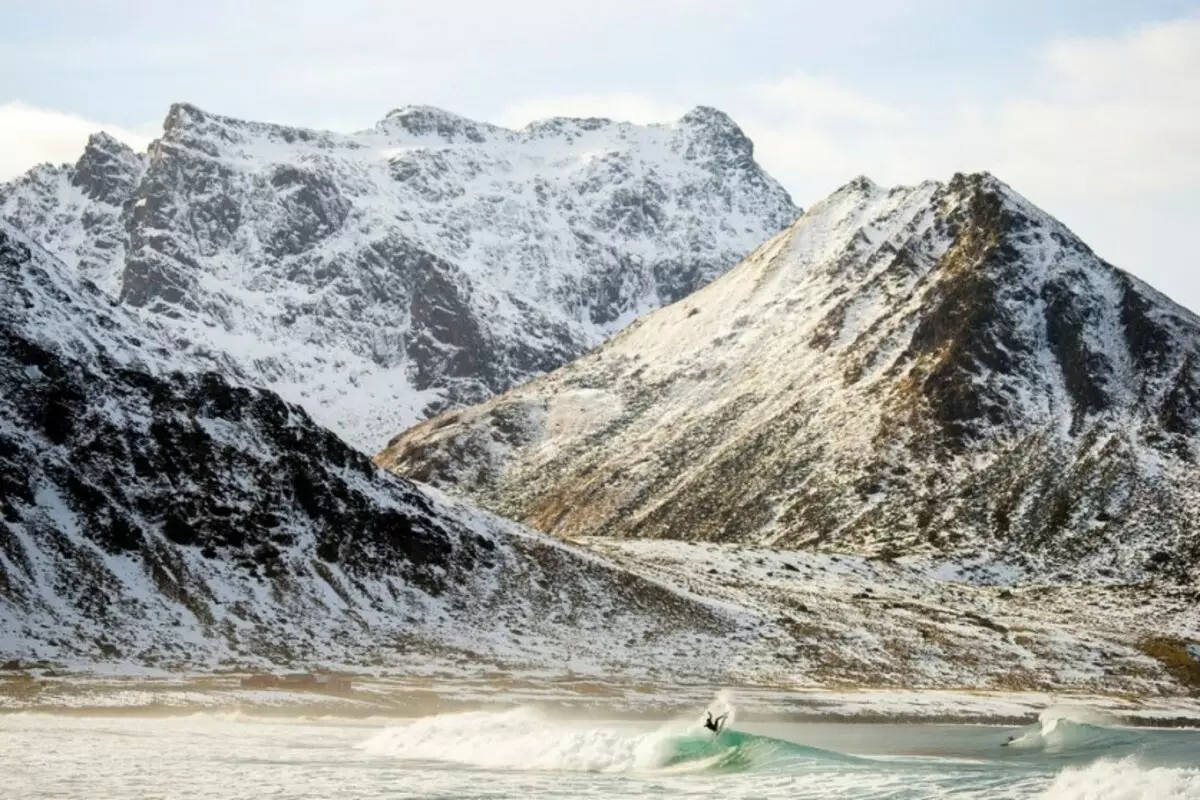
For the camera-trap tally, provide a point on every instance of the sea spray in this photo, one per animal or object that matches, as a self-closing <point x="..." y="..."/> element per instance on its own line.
<point x="521" y="738"/>
<point x="528" y="739"/>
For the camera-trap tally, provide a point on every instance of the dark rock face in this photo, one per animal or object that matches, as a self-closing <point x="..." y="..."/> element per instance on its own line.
<point x="108" y="170"/>
<point x="81" y="210"/>
<point x="294" y="480"/>
<point x="314" y="210"/>
<point x="233" y="472"/>
<point x="939" y="368"/>
<point x="428" y="121"/>
<point x="433" y="259"/>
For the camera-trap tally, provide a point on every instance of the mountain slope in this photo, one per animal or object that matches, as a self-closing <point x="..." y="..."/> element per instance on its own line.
<point x="158" y="517"/>
<point x="153" y="514"/>
<point x="938" y="368"/>
<point x="427" y="262"/>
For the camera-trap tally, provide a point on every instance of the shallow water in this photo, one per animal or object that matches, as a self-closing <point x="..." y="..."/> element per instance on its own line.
<point x="528" y="753"/>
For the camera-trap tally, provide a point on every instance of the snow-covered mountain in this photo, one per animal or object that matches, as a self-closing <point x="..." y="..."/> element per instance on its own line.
<point x="153" y="514"/>
<point x="430" y="261"/>
<point x="172" y="518"/>
<point x="940" y="368"/>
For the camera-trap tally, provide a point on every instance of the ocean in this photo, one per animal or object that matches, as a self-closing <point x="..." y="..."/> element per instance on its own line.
<point x="525" y="752"/>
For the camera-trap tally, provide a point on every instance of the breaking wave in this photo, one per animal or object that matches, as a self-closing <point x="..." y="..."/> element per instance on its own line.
<point x="527" y="739"/>
<point x="1064" y="736"/>
<point x="1068" y="755"/>
<point x="1081" y="733"/>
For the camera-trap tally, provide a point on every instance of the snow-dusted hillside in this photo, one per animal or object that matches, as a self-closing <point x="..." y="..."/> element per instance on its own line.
<point x="153" y="514"/>
<point x="939" y="368"/>
<point x="429" y="261"/>
<point x="175" y="519"/>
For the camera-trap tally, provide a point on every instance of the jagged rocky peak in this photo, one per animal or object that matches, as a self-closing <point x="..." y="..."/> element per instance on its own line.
<point x="859" y="186"/>
<point x="567" y="126"/>
<point x="181" y="115"/>
<point x="719" y="129"/>
<point x="419" y="120"/>
<point x="1015" y="286"/>
<point x="108" y="170"/>
<point x="208" y="134"/>
<point x="941" y="366"/>
<point x="380" y="276"/>
<point x="189" y="124"/>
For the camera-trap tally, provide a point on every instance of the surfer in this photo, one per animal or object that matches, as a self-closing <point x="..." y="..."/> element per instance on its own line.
<point x="1009" y="741"/>
<point x="714" y="725"/>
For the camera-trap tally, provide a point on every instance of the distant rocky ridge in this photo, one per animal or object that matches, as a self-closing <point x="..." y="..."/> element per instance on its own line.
<point x="152" y="516"/>
<point x="941" y="368"/>
<point x="430" y="261"/>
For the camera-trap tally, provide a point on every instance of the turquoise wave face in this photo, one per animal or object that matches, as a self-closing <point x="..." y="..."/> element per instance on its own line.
<point x="735" y="751"/>
<point x="1058" y="741"/>
<point x="1078" y="742"/>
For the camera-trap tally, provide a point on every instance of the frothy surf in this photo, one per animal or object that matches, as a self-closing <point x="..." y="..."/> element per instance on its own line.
<point x="527" y="739"/>
<point x="1067" y="755"/>
<point x="1125" y="779"/>
<point x="1082" y="736"/>
<point x="527" y="753"/>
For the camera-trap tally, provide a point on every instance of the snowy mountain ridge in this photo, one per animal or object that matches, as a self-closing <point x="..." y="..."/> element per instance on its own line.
<point x="155" y="519"/>
<point x="426" y="262"/>
<point x="937" y="368"/>
<point x="172" y="519"/>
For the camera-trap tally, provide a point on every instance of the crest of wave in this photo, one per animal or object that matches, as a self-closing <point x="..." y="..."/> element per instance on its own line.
<point x="1079" y="714"/>
<point x="1063" y="727"/>
<point x="522" y="738"/>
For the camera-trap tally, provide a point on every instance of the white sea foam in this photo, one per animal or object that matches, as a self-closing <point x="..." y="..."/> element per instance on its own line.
<point x="1084" y="715"/>
<point x="522" y="738"/>
<point x="1124" y="780"/>
<point x="528" y="753"/>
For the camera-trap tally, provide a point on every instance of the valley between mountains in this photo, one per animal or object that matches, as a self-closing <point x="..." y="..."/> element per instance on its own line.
<point x="646" y="422"/>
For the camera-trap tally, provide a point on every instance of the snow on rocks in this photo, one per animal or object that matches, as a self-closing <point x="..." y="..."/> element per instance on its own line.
<point x="429" y="261"/>
<point x="171" y="519"/>
<point x="939" y="369"/>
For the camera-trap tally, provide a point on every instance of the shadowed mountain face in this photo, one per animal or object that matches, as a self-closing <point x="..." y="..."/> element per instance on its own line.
<point x="159" y="515"/>
<point x="942" y="367"/>
<point x="430" y="261"/>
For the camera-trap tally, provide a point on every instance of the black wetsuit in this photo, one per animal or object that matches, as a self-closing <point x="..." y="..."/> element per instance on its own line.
<point x="714" y="725"/>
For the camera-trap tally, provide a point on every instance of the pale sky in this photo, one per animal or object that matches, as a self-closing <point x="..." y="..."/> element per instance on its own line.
<point x="1091" y="108"/>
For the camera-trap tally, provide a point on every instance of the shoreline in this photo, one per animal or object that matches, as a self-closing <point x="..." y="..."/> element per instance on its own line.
<point x="406" y="698"/>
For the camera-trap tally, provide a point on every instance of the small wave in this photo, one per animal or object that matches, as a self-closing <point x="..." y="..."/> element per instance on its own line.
<point x="735" y="751"/>
<point x="526" y="739"/>
<point x="1061" y="736"/>
<point x="1059" y="739"/>
<point x="221" y="715"/>
<point x="1069" y="730"/>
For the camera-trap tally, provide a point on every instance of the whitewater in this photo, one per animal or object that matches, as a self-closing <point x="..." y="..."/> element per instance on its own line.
<point x="534" y="753"/>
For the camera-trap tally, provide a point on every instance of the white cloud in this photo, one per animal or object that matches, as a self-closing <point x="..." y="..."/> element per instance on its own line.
<point x="808" y="98"/>
<point x="1112" y="117"/>
<point x="30" y="136"/>
<point x="1108" y="120"/>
